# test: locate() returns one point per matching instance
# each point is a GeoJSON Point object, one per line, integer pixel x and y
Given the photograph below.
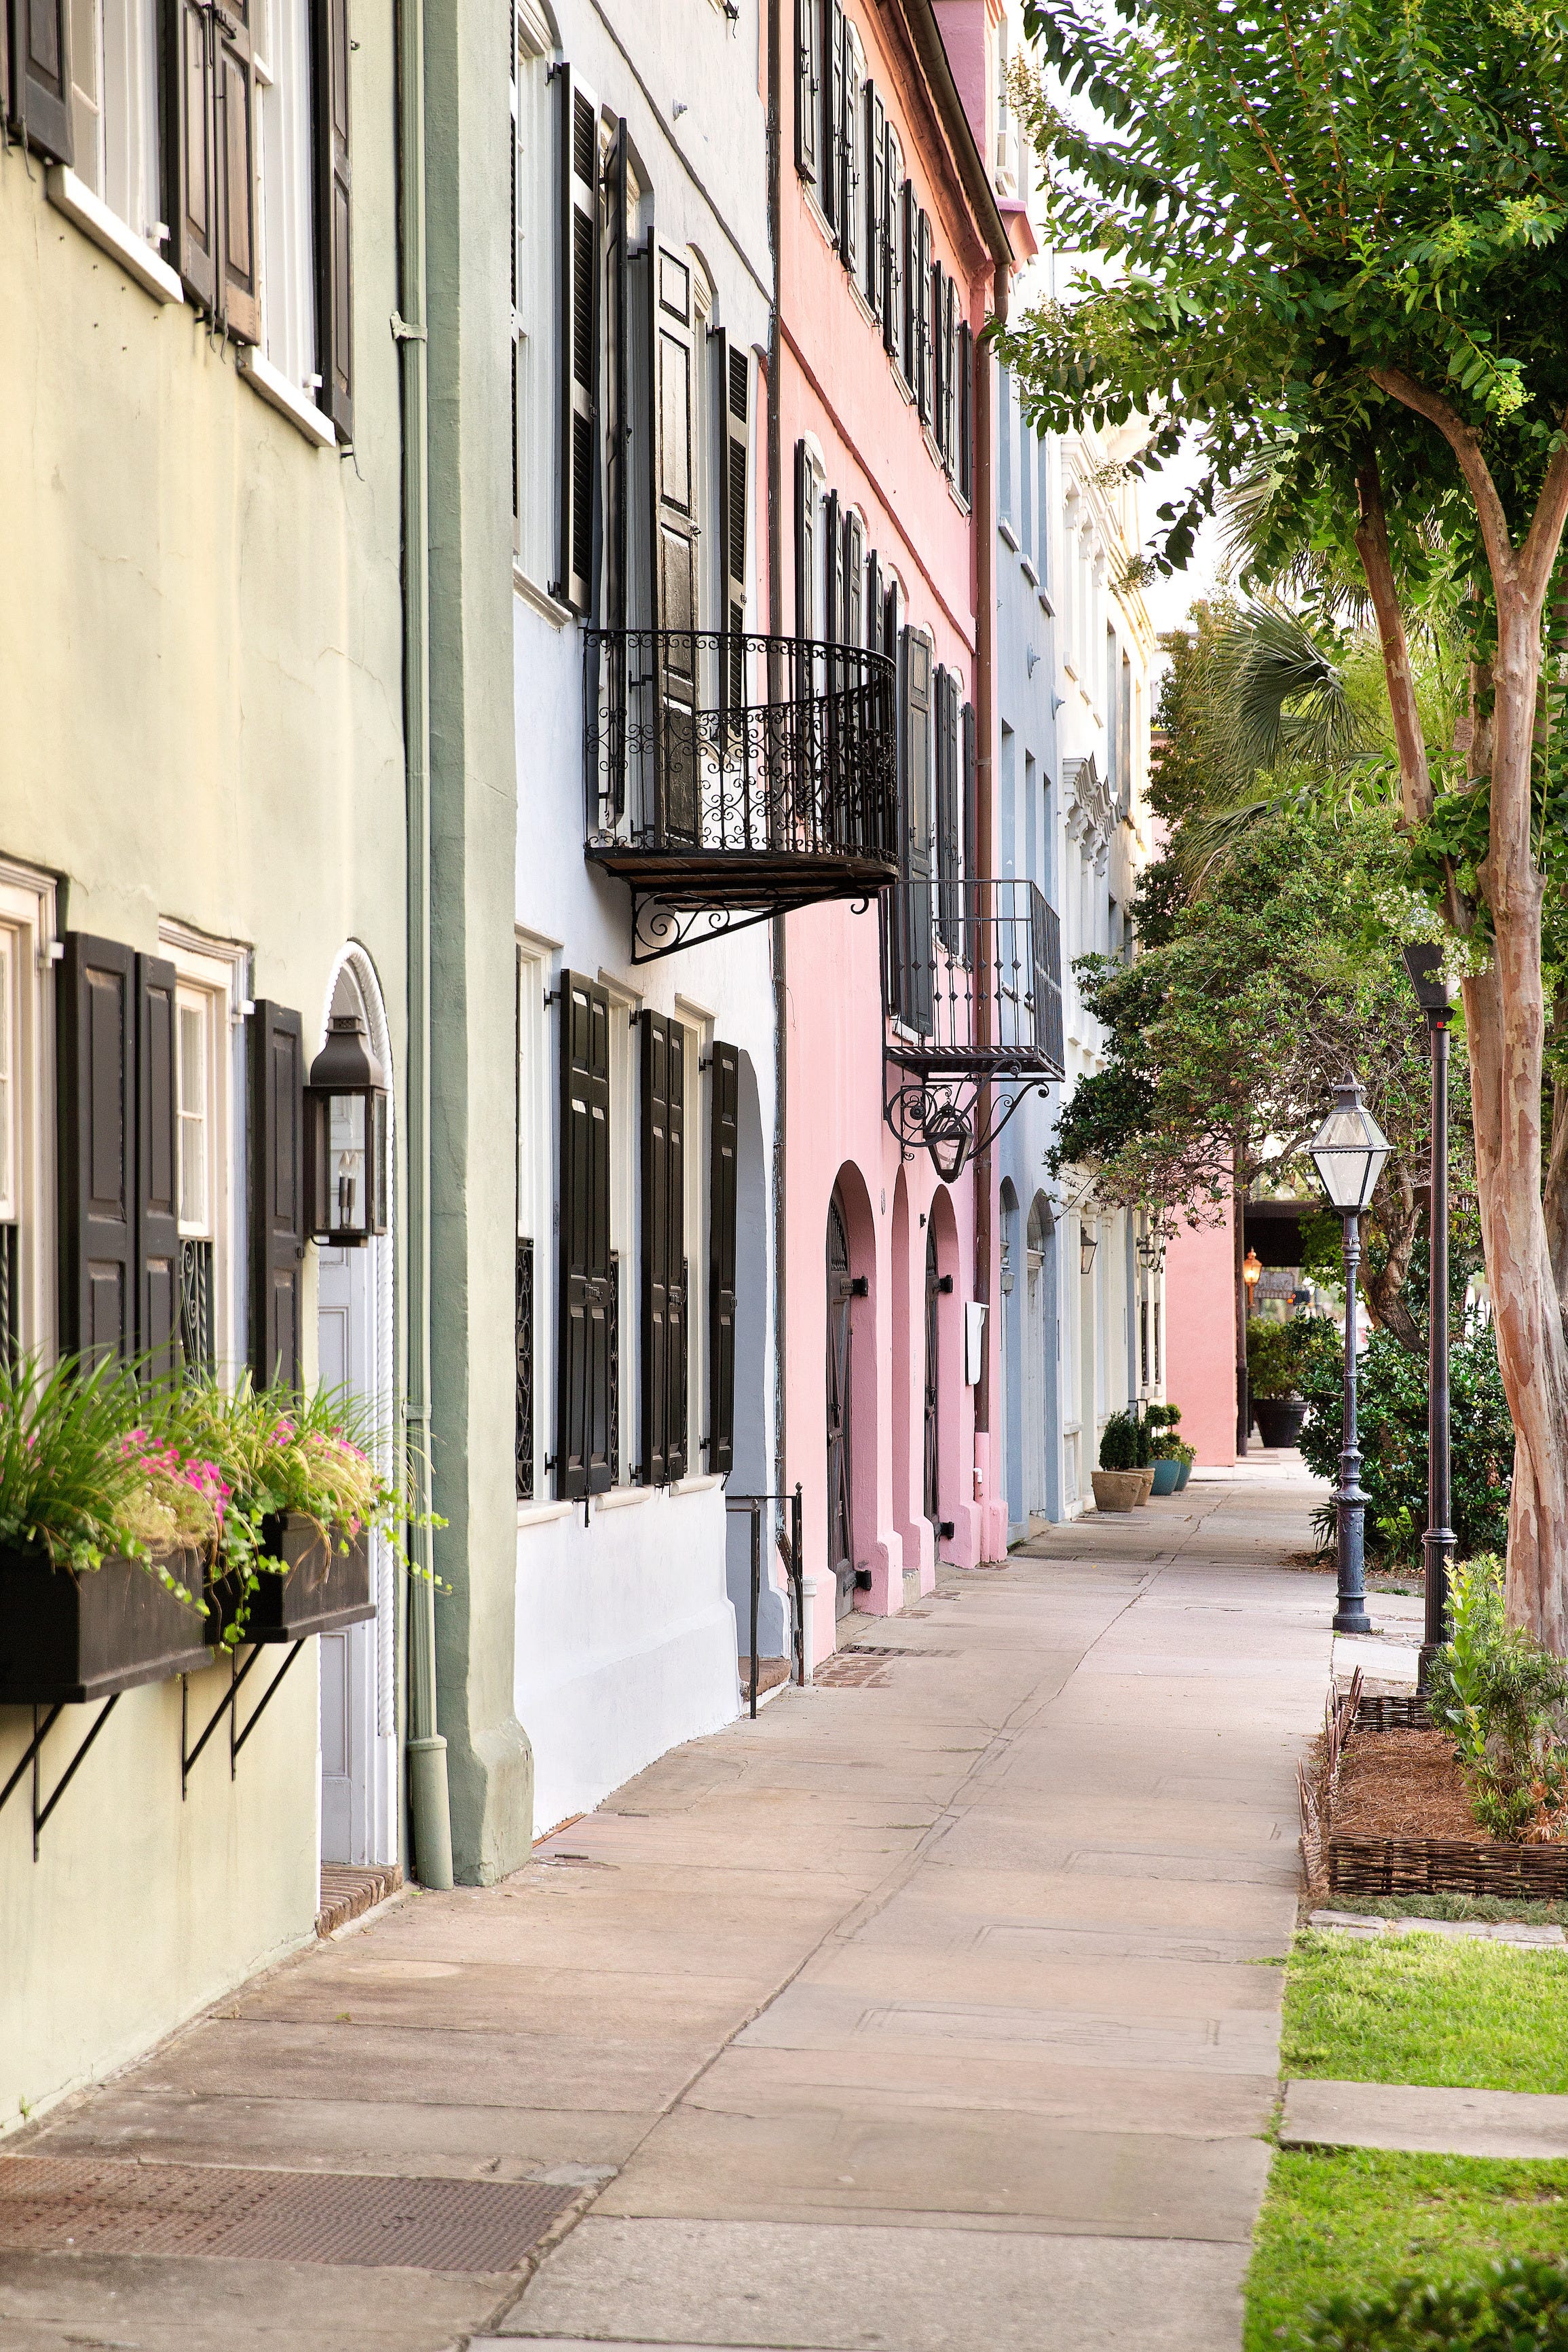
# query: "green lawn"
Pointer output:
{"type": "Point", "coordinates": [1356, 2221]}
{"type": "Point", "coordinates": [1491, 1908]}
{"type": "Point", "coordinates": [1426, 2009]}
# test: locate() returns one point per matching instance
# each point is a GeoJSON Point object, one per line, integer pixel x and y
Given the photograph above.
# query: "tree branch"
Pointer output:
{"type": "Point", "coordinates": [1539, 553]}
{"type": "Point", "coordinates": [1372, 546]}
{"type": "Point", "coordinates": [1465, 443]}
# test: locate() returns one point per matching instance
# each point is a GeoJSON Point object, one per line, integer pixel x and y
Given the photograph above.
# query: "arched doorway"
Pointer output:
{"type": "Point", "coordinates": [353, 1342]}
{"type": "Point", "coordinates": [1041, 1435]}
{"type": "Point", "coordinates": [841, 1408]}
{"type": "Point", "coordinates": [932, 1504]}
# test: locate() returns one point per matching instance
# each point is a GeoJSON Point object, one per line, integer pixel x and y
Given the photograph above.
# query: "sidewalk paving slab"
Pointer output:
{"type": "Point", "coordinates": [1511, 2125]}
{"type": "Point", "coordinates": [1524, 1935]}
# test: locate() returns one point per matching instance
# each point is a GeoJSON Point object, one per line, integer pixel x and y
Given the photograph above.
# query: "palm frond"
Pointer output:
{"type": "Point", "coordinates": [1284, 695]}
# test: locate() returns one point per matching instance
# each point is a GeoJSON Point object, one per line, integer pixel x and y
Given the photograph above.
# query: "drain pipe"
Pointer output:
{"type": "Point", "coordinates": [775, 629]}
{"type": "Point", "coordinates": [429, 1809]}
{"type": "Point", "coordinates": [994, 1451]}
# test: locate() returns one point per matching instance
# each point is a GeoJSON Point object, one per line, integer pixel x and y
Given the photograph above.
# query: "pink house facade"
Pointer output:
{"type": "Point", "coordinates": [1200, 1345]}
{"type": "Point", "coordinates": [889, 240]}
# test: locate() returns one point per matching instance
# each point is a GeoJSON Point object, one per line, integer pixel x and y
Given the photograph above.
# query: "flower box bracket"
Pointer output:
{"type": "Point", "coordinates": [32, 1756]}
{"type": "Point", "coordinates": [228, 1705]}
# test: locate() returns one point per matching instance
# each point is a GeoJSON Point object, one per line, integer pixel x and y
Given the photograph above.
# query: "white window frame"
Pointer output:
{"type": "Point", "coordinates": [27, 922]}
{"type": "Point", "coordinates": [535, 264]}
{"type": "Point", "coordinates": [285, 210]}
{"type": "Point", "coordinates": [538, 975]}
{"type": "Point", "coordinates": [114, 111]}
{"type": "Point", "coordinates": [202, 1007]}
{"type": "Point", "coordinates": [216, 972]}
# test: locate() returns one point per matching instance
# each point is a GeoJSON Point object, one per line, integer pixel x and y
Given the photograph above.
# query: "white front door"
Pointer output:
{"type": "Point", "coordinates": [350, 1659]}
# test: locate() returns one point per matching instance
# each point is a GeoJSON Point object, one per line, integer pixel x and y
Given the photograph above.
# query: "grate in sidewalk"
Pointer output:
{"type": "Point", "coordinates": [51, 2205]}
{"type": "Point", "coordinates": [864, 1665]}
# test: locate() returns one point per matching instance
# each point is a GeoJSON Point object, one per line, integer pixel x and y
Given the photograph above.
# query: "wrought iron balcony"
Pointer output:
{"type": "Point", "coordinates": [972, 987]}
{"type": "Point", "coordinates": [731, 777]}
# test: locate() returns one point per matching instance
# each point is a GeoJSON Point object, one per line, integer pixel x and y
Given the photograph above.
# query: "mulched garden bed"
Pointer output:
{"type": "Point", "coordinates": [1384, 1811]}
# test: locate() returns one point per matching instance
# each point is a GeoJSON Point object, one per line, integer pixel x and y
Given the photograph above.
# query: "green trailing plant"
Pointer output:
{"type": "Point", "coordinates": [1517, 2305]}
{"type": "Point", "coordinates": [1502, 1696]}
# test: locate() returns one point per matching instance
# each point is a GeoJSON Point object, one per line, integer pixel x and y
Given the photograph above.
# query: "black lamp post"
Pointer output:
{"type": "Point", "coordinates": [1349, 1152]}
{"type": "Point", "coordinates": [1435, 997]}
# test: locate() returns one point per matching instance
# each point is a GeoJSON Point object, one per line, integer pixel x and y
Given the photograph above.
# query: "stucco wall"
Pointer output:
{"type": "Point", "coordinates": [1200, 1337]}
{"type": "Point", "coordinates": [200, 666]}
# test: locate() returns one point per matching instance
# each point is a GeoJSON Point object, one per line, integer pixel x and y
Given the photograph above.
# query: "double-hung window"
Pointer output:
{"type": "Point", "coordinates": [194, 1091]}
{"type": "Point", "coordinates": [114, 110]}
{"type": "Point", "coordinates": [26, 1123]}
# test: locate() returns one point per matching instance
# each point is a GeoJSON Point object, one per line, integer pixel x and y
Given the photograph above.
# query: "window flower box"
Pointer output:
{"type": "Point", "coordinates": [322, 1589]}
{"type": "Point", "coordinates": [68, 1635]}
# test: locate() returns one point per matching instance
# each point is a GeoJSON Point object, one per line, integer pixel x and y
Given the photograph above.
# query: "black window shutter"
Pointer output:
{"type": "Point", "coordinates": [582, 1465]}
{"type": "Point", "coordinates": [874, 601]}
{"type": "Point", "coordinates": [663, 1249]}
{"type": "Point", "coordinates": [923, 352]}
{"type": "Point", "coordinates": [971, 786]}
{"type": "Point", "coordinates": [723, 1147]}
{"type": "Point", "coordinates": [802, 539]}
{"type": "Point", "coordinates": [948, 328]}
{"type": "Point", "coordinates": [854, 580]}
{"type": "Point", "coordinates": [833, 543]}
{"type": "Point", "coordinates": [892, 250]}
{"type": "Point", "coordinates": [875, 137]}
{"type": "Point", "coordinates": [947, 808]}
{"type": "Point", "coordinates": [157, 1168]}
{"type": "Point", "coordinates": [277, 1193]}
{"type": "Point", "coordinates": [234, 159]}
{"type": "Point", "coordinates": [334, 281]}
{"type": "Point", "coordinates": [807, 85]}
{"type": "Point", "coordinates": [915, 962]}
{"type": "Point", "coordinates": [938, 357]}
{"type": "Point", "coordinates": [735, 373]}
{"type": "Point", "coordinates": [96, 1057]}
{"type": "Point", "coordinates": [966, 410]}
{"type": "Point", "coordinates": [189, 163]}
{"type": "Point", "coordinates": [578, 336]}
{"type": "Point", "coordinates": [830, 185]}
{"type": "Point", "coordinates": [37, 86]}
{"type": "Point", "coordinates": [849, 207]}
{"type": "Point", "coordinates": [910, 245]}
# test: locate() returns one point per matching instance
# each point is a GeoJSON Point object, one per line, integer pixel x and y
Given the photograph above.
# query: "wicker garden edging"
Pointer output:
{"type": "Point", "coordinates": [1351, 1864]}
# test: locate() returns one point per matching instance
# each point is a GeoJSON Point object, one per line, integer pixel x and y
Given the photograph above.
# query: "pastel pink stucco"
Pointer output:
{"type": "Point", "coordinates": [1200, 1337]}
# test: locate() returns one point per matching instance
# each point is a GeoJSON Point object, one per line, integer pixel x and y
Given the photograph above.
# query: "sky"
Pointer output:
{"type": "Point", "coordinates": [1168, 598]}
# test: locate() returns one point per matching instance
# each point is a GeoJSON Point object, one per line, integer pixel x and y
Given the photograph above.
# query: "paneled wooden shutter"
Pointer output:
{"type": "Point", "coordinates": [803, 547]}
{"type": "Point", "coordinates": [96, 1058]}
{"type": "Point", "coordinates": [910, 270]}
{"type": "Point", "coordinates": [578, 336]}
{"type": "Point", "coordinates": [620, 424]}
{"type": "Point", "coordinates": [582, 1465]}
{"type": "Point", "coordinates": [157, 1168]}
{"type": "Point", "coordinates": [37, 76]}
{"type": "Point", "coordinates": [950, 362]}
{"type": "Point", "coordinates": [735, 373]}
{"type": "Point", "coordinates": [807, 85]}
{"type": "Point", "coordinates": [233, 151]}
{"type": "Point", "coordinates": [853, 631]}
{"type": "Point", "coordinates": [923, 323]}
{"type": "Point", "coordinates": [915, 947]}
{"type": "Point", "coordinates": [852, 222]}
{"type": "Point", "coordinates": [190, 164]}
{"type": "Point", "coordinates": [874, 601]}
{"type": "Point", "coordinates": [722, 1161]}
{"type": "Point", "coordinates": [334, 276]}
{"type": "Point", "coordinates": [966, 410]}
{"type": "Point", "coordinates": [672, 439]}
{"type": "Point", "coordinates": [830, 186]}
{"type": "Point", "coordinates": [970, 804]}
{"type": "Point", "coordinates": [876, 136]}
{"type": "Point", "coordinates": [663, 1249]}
{"type": "Point", "coordinates": [892, 248]}
{"type": "Point", "coordinates": [938, 357]}
{"type": "Point", "coordinates": [947, 812]}
{"type": "Point", "coordinates": [833, 571]}
{"type": "Point", "coordinates": [277, 1193]}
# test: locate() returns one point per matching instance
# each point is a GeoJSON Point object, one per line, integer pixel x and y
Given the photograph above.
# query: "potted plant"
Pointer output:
{"type": "Point", "coordinates": [1118, 1481]}
{"type": "Point", "coordinates": [305, 1499]}
{"type": "Point", "coordinates": [1273, 1352]}
{"type": "Point", "coordinates": [1167, 1451]}
{"type": "Point", "coordinates": [108, 1525]}
{"type": "Point", "coordinates": [1186, 1456]}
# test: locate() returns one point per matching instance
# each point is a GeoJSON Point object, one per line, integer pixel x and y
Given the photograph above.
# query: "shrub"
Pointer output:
{"type": "Point", "coordinates": [1518, 2305]}
{"type": "Point", "coordinates": [1274, 1352]}
{"type": "Point", "coordinates": [1392, 1414]}
{"type": "Point", "coordinates": [1162, 1416]}
{"type": "Point", "coordinates": [1502, 1696]}
{"type": "Point", "coordinates": [1118, 1443]}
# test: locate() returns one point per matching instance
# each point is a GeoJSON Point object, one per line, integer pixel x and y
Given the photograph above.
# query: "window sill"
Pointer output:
{"type": "Point", "coordinates": [698, 1484]}
{"type": "Point", "coordinates": [286, 398]}
{"type": "Point", "coordinates": [1026, 565]}
{"type": "Point", "coordinates": [621, 1498]}
{"type": "Point", "coordinates": [1005, 532]}
{"type": "Point", "coordinates": [92, 216]}
{"type": "Point", "coordinates": [540, 600]}
{"type": "Point", "coordinates": [538, 1515]}
{"type": "Point", "coordinates": [1047, 607]}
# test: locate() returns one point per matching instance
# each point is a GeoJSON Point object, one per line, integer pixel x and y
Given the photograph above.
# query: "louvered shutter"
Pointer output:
{"type": "Point", "coordinates": [157, 1168]}
{"type": "Point", "coordinates": [621, 426]}
{"type": "Point", "coordinates": [233, 151]}
{"type": "Point", "coordinates": [663, 1249]}
{"type": "Point", "coordinates": [970, 804]}
{"type": "Point", "coordinates": [966, 410]}
{"type": "Point", "coordinates": [334, 281]}
{"type": "Point", "coordinates": [851, 196]}
{"type": "Point", "coordinates": [734, 499]}
{"type": "Point", "coordinates": [830, 185]}
{"type": "Point", "coordinates": [947, 817]}
{"type": "Point", "coordinates": [191, 165]}
{"type": "Point", "coordinates": [672, 439]}
{"type": "Point", "coordinates": [950, 361]}
{"type": "Point", "coordinates": [803, 547]}
{"type": "Point", "coordinates": [924, 355]}
{"type": "Point", "coordinates": [876, 136]}
{"type": "Point", "coordinates": [892, 249]}
{"type": "Point", "coordinates": [874, 591]}
{"type": "Point", "coordinates": [38, 78]}
{"type": "Point", "coordinates": [833, 571]}
{"type": "Point", "coordinates": [915, 958]}
{"type": "Point", "coordinates": [578, 337]}
{"type": "Point", "coordinates": [938, 357]}
{"type": "Point", "coordinates": [807, 86]}
{"type": "Point", "coordinates": [909, 266]}
{"type": "Point", "coordinates": [277, 1193]}
{"type": "Point", "coordinates": [96, 1068]}
{"type": "Point", "coordinates": [582, 1465]}
{"type": "Point", "coordinates": [722, 1161]}
{"type": "Point", "coordinates": [854, 582]}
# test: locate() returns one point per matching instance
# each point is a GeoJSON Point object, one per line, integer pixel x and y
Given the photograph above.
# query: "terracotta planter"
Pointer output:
{"type": "Point", "coordinates": [1279, 1419]}
{"type": "Point", "coordinates": [1166, 1473]}
{"type": "Point", "coordinates": [1147, 1476]}
{"type": "Point", "coordinates": [322, 1589]}
{"type": "Point", "coordinates": [1118, 1490]}
{"type": "Point", "coordinates": [65, 1638]}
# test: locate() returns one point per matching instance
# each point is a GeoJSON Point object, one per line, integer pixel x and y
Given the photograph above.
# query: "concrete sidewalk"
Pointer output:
{"type": "Point", "coordinates": [921, 2015]}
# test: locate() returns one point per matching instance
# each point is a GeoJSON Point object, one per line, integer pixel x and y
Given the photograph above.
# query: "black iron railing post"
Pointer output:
{"type": "Point", "coordinates": [756, 1591]}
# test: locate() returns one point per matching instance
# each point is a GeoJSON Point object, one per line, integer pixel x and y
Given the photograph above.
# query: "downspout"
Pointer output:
{"type": "Point", "coordinates": [775, 629]}
{"type": "Point", "coordinates": [430, 1813]}
{"type": "Point", "coordinates": [985, 695]}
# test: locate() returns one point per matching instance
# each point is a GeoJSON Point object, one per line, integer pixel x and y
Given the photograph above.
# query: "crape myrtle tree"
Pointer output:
{"type": "Point", "coordinates": [1339, 229]}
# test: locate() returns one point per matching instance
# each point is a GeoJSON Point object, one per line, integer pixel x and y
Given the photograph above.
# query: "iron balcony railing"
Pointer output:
{"type": "Point", "coordinates": [973, 975]}
{"type": "Point", "coordinates": [706, 745]}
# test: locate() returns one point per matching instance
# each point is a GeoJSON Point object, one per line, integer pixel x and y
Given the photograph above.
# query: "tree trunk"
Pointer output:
{"type": "Point", "coordinates": [1384, 1290]}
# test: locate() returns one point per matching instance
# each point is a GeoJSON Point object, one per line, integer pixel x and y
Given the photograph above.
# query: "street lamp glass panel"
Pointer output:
{"type": "Point", "coordinates": [1349, 1152]}
{"type": "Point", "coordinates": [346, 1169]}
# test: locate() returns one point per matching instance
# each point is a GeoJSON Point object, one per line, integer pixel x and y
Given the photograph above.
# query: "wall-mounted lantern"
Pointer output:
{"type": "Point", "coordinates": [345, 1138]}
{"type": "Point", "coordinates": [1087, 1244]}
{"type": "Point", "coordinates": [1252, 1274]}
